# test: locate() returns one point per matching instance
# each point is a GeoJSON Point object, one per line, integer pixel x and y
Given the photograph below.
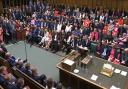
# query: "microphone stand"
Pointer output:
{"type": "Point", "coordinates": [25, 50]}
{"type": "Point", "coordinates": [26, 55]}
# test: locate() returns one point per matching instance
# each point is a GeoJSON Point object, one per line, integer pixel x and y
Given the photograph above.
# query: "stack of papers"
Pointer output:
{"type": "Point", "coordinates": [94, 77]}
{"type": "Point", "coordinates": [124, 73]}
{"type": "Point", "coordinates": [117, 71]}
{"type": "Point", "coordinates": [69, 62]}
{"type": "Point", "coordinates": [113, 87]}
{"type": "Point", "coordinates": [107, 66]}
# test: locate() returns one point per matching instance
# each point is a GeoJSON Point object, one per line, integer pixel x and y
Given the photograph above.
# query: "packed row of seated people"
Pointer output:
{"type": "Point", "coordinates": [42, 79]}
{"type": "Point", "coordinates": [65, 28]}
{"type": "Point", "coordinates": [107, 22]}
{"type": "Point", "coordinates": [104, 49]}
{"type": "Point", "coordinates": [82, 20]}
{"type": "Point", "coordinates": [8, 81]}
{"type": "Point", "coordinates": [104, 32]}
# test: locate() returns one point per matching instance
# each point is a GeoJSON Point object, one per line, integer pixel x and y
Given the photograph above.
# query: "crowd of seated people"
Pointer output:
{"type": "Point", "coordinates": [103, 31]}
{"type": "Point", "coordinates": [8, 81]}
{"type": "Point", "coordinates": [64, 28]}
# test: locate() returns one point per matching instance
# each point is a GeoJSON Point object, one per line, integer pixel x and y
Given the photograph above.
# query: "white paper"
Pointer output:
{"type": "Point", "coordinates": [94, 77]}
{"type": "Point", "coordinates": [113, 87]}
{"type": "Point", "coordinates": [112, 68]}
{"type": "Point", "coordinates": [76, 71]}
{"type": "Point", "coordinates": [124, 73]}
{"type": "Point", "coordinates": [108, 66]}
{"type": "Point", "coordinates": [69, 62]}
{"type": "Point", "coordinates": [84, 48]}
{"type": "Point", "coordinates": [117, 71]}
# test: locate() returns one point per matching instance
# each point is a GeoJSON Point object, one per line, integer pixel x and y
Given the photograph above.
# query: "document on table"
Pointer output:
{"type": "Point", "coordinates": [113, 87]}
{"type": "Point", "coordinates": [94, 77]}
{"type": "Point", "coordinates": [124, 73]}
{"type": "Point", "coordinates": [117, 71]}
{"type": "Point", "coordinates": [69, 62]}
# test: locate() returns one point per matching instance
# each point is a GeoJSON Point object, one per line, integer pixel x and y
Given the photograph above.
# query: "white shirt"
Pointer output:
{"type": "Point", "coordinates": [101, 18]}
{"type": "Point", "coordinates": [59, 26]}
{"type": "Point", "coordinates": [55, 38]}
{"type": "Point", "coordinates": [69, 39]}
{"type": "Point", "coordinates": [68, 28]}
{"type": "Point", "coordinates": [34, 15]}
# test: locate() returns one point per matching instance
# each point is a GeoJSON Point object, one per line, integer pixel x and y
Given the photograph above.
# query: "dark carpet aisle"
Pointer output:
{"type": "Point", "coordinates": [43, 60]}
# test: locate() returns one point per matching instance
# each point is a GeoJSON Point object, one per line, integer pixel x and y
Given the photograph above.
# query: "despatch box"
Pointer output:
{"type": "Point", "coordinates": [107, 70]}
{"type": "Point", "coordinates": [68, 64]}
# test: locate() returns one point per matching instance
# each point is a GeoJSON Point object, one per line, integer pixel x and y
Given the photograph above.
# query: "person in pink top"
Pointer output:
{"type": "Point", "coordinates": [115, 31]}
{"type": "Point", "coordinates": [56, 13]}
{"type": "Point", "coordinates": [94, 35]}
{"type": "Point", "coordinates": [111, 57]}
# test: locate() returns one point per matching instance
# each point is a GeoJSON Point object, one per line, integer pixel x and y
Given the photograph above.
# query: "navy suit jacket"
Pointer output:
{"type": "Point", "coordinates": [85, 43]}
{"type": "Point", "coordinates": [2, 81]}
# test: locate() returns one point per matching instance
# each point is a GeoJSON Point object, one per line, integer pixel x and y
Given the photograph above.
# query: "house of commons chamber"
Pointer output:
{"type": "Point", "coordinates": [63, 44]}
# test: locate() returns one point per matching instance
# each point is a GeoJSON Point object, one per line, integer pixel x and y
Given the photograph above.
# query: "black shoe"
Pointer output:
{"type": "Point", "coordinates": [25, 61]}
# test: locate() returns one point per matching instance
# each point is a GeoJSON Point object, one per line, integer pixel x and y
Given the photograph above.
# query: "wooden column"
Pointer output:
{"type": "Point", "coordinates": [1, 6]}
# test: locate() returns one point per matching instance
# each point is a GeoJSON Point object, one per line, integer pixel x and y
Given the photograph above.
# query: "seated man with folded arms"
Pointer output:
{"type": "Point", "coordinates": [39, 78]}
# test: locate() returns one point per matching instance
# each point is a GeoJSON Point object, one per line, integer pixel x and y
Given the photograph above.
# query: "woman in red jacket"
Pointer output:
{"type": "Point", "coordinates": [94, 35]}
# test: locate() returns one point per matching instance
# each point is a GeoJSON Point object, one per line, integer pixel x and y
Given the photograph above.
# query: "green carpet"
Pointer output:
{"type": "Point", "coordinates": [43, 60]}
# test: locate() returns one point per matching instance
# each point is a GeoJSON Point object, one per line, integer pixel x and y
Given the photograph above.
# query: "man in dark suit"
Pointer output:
{"type": "Point", "coordinates": [105, 50]}
{"type": "Point", "coordinates": [55, 43]}
{"type": "Point", "coordinates": [85, 42]}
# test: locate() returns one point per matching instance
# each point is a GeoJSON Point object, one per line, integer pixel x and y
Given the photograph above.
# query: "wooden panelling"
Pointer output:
{"type": "Point", "coordinates": [107, 4]}
{"type": "Point", "coordinates": [90, 3]}
{"type": "Point", "coordinates": [1, 6]}
{"type": "Point", "coordinates": [125, 5]}
{"type": "Point", "coordinates": [120, 5]}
